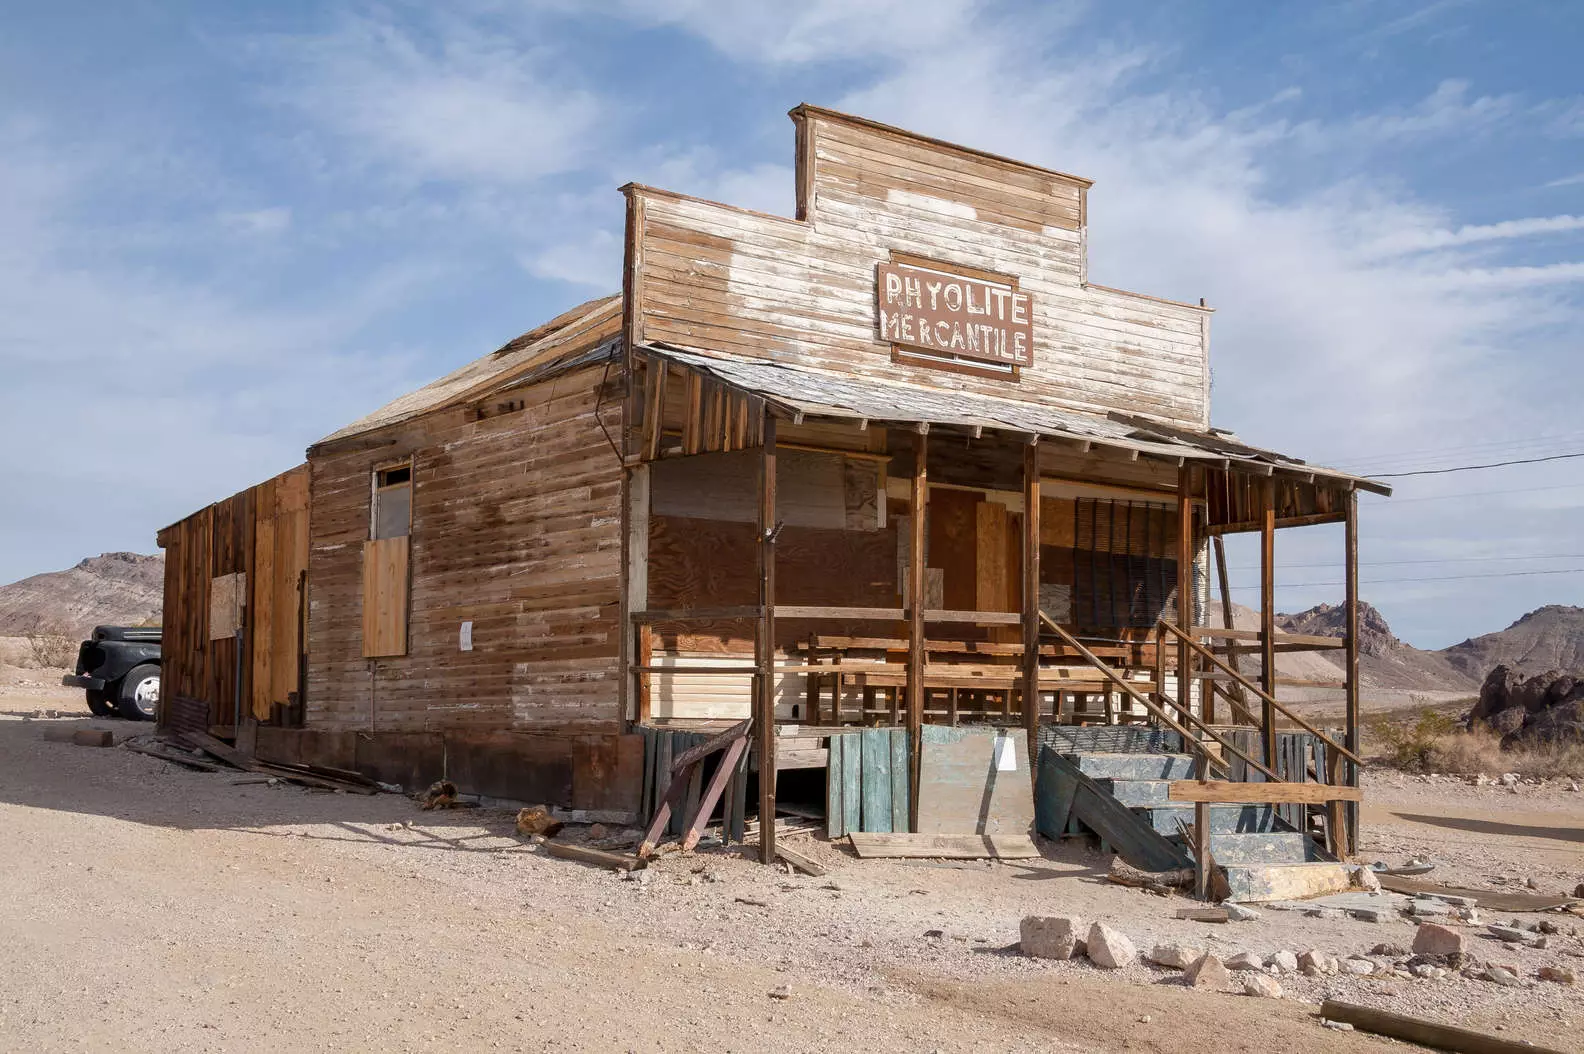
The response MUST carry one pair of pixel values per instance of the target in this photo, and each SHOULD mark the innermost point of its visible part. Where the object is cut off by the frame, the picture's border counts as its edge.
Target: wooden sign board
(940, 311)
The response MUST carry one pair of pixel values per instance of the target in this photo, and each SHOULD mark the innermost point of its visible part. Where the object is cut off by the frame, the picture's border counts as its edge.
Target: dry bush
(1435, 742)
(49, 646)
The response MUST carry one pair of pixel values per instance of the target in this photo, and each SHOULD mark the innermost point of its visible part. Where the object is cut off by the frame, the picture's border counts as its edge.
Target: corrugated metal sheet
(822, 394)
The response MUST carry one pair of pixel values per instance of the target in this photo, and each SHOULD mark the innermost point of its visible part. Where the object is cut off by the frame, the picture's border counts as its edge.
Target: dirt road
(152, 908)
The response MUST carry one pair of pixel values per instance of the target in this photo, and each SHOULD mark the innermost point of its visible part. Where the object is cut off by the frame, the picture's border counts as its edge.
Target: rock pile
(1545, 708)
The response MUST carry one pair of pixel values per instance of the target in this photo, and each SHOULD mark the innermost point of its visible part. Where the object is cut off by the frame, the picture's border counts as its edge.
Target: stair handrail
(1275, 703)
(1189, 739)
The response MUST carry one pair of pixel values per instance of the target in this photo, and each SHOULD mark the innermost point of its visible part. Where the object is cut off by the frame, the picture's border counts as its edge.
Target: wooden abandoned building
(888, 475)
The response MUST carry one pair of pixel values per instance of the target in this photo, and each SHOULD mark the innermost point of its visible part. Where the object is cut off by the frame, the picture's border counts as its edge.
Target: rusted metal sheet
(943, 312)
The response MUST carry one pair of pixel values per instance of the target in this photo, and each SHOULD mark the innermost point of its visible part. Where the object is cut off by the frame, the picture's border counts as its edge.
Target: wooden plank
(385, 585)
(1426, 1033)
(852, 784)
(1032, 505)
(917, 521)
(897, 846)
(1290, 641)
(875, 747)
(801, 862)
(1491, 899)
(1226, 792)
(1350, 664)
(701, 811)
(1185, 596)
(835, 811)
(598, 857)
(1133, 838)
(990, 556)
(900, 797)
(764, 715)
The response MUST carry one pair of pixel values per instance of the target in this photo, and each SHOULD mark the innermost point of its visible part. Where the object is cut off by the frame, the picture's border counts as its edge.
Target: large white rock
(1109, 949)
(1434, 939)
(1208, 972)
(1050, 937)
(1175, 956)
(1260, 985)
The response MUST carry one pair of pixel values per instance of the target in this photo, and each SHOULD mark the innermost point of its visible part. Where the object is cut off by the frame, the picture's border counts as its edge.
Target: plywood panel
(990, 577)
(226, 597)
(385, 563)
(974, 781)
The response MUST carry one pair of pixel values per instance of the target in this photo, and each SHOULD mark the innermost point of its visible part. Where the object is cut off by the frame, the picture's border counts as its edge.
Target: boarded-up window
(385, 561)
(1122, 573)
(385, 597)
(227, 595)
(392, 503)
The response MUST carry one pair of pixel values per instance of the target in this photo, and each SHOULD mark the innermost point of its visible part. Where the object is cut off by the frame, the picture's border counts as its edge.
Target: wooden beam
(1227, 619)
(1424, 1033)
(765, 639)
(697, 614)
(903, 846)
(1185, 605)
(916, 596)
(1268, 620)
(1351, 655)
(1247, 526)
(598, 857)
(1232, 793)
(1031, 599)
(1284, 641)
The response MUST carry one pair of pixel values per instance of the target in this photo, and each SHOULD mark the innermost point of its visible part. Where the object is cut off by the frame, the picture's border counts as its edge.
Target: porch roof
(817, 393)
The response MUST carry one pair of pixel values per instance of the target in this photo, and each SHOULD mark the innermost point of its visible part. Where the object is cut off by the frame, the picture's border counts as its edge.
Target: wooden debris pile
(175, 749)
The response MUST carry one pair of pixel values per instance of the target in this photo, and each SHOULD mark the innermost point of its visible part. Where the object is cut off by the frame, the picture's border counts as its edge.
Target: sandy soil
(160, 909)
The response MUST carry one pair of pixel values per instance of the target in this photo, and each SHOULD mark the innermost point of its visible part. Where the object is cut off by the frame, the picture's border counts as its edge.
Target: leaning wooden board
(875, 846)
(974, 781)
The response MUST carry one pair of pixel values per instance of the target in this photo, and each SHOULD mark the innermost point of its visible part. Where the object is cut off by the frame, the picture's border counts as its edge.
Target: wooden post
(1031, 599)
(764, 678)
(916, 594)
(1185, 586)
(1268, 620)
(1235, 690)
(1202, 835)
(1351, 652)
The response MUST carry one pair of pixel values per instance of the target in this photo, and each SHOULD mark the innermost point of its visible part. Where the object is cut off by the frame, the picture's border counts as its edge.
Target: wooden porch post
(1031, 598)
(764, 677)
(1350, 576)
(1268, 620)
(916, 595)
(1185, 585)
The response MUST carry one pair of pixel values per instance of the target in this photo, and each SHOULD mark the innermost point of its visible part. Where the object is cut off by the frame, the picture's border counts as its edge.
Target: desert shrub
(1411, 744)
(51, 648)
(1480, 753)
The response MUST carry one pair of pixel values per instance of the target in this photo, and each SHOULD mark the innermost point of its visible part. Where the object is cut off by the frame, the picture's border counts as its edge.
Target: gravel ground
(161, 909)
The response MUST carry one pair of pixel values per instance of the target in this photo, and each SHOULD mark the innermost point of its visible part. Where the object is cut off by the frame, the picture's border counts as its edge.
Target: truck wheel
(99, 702)
(140, 688)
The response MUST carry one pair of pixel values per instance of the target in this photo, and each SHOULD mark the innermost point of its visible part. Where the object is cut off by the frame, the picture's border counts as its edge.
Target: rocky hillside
(113, 588)
(1384, 661)
(1548, 638)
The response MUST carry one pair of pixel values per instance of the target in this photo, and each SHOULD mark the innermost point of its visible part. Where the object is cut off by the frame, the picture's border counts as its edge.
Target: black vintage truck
(119, 668)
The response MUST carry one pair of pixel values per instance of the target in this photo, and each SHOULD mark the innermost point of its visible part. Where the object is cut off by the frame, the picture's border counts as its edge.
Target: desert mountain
(1548, 638)
(124, 589)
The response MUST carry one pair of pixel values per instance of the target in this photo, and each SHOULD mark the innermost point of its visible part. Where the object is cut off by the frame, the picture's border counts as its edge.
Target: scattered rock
(1424, 907)
(1050, 937)
(1501, 975)
(1364, 878)
(781, 992)
(1109, 949)
(1314, 963)
(1238, 913)
(1207, 972)
(1262, 986)
(1368, 914)
(1175, 956)
(598, 832)
(1557, 975)
(1428, 971)
(1245, 961)
(1390, 951)
(1339, 1026)
(1531, 883)
(1508, 933)
(1285, 961)
(1433, 939)
(1358, 967)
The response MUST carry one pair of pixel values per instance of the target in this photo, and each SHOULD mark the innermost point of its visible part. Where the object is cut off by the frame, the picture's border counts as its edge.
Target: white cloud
(459, 104)
(1418, 238)
(261, 222)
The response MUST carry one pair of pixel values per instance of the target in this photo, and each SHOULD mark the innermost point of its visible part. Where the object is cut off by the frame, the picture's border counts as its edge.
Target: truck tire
(99, 703)
(139, 697)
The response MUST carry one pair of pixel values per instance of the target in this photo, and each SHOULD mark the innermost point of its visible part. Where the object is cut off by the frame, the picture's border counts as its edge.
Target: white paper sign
(1005, 754)
(465, 638)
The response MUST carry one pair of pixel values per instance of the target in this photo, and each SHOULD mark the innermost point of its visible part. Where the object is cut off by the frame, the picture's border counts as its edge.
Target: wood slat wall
(724, 279)
(280, 562)
(516, 527)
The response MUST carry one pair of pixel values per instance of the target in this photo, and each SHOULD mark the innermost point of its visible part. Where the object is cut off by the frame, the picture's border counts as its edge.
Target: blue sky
(225, 230)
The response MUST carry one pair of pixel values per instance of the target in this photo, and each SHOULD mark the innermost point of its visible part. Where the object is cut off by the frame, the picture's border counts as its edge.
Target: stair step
(1260, 883)
(1136, 792)
(1224, 819)
(1135, 766)
(1263, 848)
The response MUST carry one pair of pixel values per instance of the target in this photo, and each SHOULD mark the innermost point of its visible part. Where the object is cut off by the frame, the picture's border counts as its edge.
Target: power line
(1432, 578)
(1443, 560)
(1439, 453)
(1471, 468)
(1387, 505)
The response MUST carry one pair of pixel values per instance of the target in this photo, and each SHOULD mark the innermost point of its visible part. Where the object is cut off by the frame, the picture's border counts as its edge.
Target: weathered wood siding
(516, 527)
(280, 564)
(718, 278)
